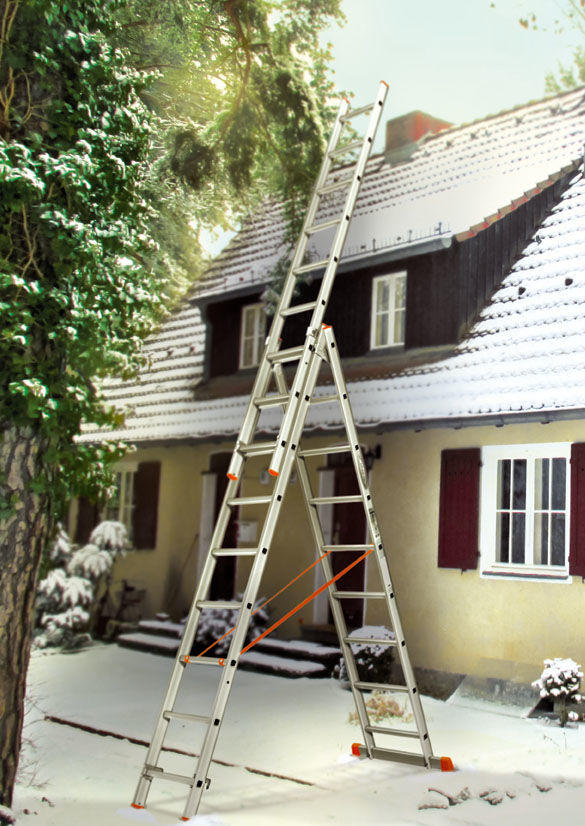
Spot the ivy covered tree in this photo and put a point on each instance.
(122, 125)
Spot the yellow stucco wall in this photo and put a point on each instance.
(453, 621)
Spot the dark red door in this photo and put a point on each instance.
(223, 581)
(349, 527)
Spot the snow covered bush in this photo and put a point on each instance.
(560, 681)
(215, 623)
(374, 662)
(68, 596)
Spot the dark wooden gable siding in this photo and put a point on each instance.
(446, 291)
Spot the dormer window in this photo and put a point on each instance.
(388, 310)
(252, 334)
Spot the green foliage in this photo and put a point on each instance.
(572, 17)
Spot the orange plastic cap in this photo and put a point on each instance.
(326, 326)
(447, 764)
(232, 477)
(221, 661)
(355, 749)
(187, 659)
(136, 806)
(385, 84)
(272, 472)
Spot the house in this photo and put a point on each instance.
(459, 308)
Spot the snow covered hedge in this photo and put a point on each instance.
(215, 623)
(374, 662)
(560, 678)
(69, 592)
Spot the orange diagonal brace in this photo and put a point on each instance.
(298, 576)
(305, 601)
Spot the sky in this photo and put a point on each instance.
(459, 60)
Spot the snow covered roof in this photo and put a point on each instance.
(457, 182)
(524, 356)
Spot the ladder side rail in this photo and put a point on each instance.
(414, 694)
(185, 646)
(272, 343)
(329, 276)
(250, 595)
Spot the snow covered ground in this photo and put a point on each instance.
(511, 770)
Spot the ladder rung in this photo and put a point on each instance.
(370, 641)
(346, 547)
(334, 500)
(353, 113)
(358, 594)
(291, 354)
(156, 771)
(299, 308)
(220, 604)
(397, 756)
(271, 401)
(315, 265)
(395, 731)
(258, 449)
(248, 500)
(191, 718)
(361, 686)
(324, 451)
(348, 147)
(320, 227)
(202, 661)
(325, 190)
(234, 552)
(324, 399)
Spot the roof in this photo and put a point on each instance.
(524, 356)
(457, 182)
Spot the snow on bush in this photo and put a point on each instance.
(6, 816)
(75, 583)
(215, 623)
(383, 706)
(560, 678)
(374, 662)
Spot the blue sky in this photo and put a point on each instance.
(456, 59)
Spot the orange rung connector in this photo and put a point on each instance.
(232, 477)
(355, 749)
(272, 472)
(447, 764)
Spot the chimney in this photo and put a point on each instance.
(404, 133)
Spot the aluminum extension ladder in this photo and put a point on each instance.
(270, 390)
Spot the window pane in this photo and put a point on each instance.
(399, 327)
(559, 479)
(249, 321)
(518, 535)
(504, 466)
(400, 301)
(503, 537)
(557, 556)
(247, 352)
(541, 483)
(519, 487)
(382, 329)
(541, 538)
(383, 295)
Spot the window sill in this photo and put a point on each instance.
(527, 573)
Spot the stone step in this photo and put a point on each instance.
(327, 655)
(281, 666)
(162, 628)
(154, 643)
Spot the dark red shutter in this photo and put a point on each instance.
(459, 508)
(144, 517)
(88, 516)
(577, 540)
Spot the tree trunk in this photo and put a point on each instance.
(24, 532)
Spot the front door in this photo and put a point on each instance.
(349, 527)
(224, 575)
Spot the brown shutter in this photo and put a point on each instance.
(144, 517)
(459, 508)
(577, 540)
(88, 516)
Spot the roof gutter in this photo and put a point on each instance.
(372, 259)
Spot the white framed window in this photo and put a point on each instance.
(252, 334)
(525, 497)
(388, 310)
(120, 505)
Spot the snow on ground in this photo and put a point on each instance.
(298, 729)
